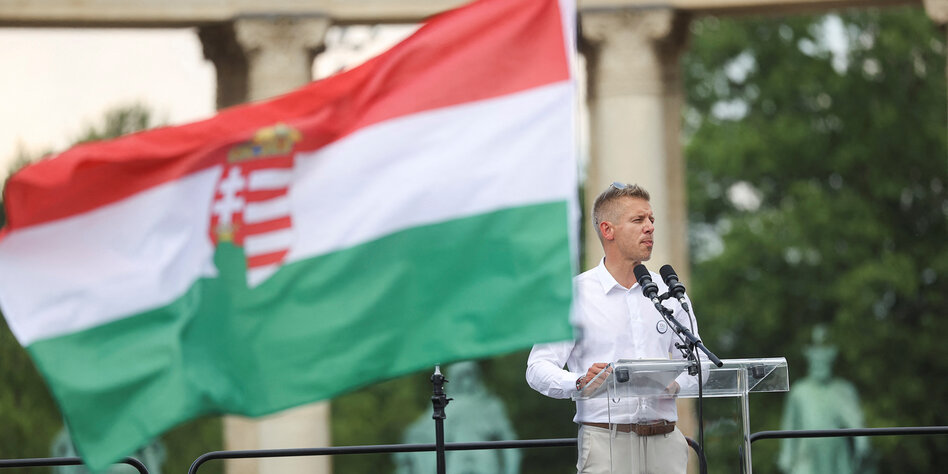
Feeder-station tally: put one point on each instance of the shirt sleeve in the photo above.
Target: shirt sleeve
(545, 372)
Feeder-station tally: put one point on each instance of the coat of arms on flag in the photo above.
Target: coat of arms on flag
(251, 202)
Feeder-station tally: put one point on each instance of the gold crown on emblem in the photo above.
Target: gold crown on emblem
(270, 141)
(225, 233)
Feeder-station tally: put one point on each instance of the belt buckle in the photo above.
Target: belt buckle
(650, 429)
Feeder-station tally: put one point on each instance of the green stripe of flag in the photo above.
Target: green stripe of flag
(319, 327)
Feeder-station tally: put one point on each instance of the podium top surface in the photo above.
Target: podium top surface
(650, 377)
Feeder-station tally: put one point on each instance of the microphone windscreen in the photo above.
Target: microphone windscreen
(641, 273)
(667, 271)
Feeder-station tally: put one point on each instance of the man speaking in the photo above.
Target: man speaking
(614, 320)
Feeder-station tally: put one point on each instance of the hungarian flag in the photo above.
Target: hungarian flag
(410, 211)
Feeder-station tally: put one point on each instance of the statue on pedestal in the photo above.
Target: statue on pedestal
(820, 401)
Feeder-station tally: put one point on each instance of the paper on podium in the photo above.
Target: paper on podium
(647, 376)
(633, 378)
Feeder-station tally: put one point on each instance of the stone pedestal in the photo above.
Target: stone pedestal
(258, 58)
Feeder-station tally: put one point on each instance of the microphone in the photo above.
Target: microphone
(675, 288)
(649, 288)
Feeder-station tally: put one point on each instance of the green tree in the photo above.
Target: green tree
(119, 121)
(29, 418)
(817, 195)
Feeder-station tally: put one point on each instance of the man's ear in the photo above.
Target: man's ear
(606, 230)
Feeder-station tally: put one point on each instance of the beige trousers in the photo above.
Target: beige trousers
(629, 453)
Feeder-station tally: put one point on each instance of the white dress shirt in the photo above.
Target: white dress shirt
(612, 323)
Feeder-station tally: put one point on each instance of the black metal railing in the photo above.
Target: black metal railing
(518, 444)
(70, 461)
(838, 433)
(378, 449)
(392, 448)
(843, 433)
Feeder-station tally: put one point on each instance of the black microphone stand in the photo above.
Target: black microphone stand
(682, 331)
(689, 353)
(439, 400)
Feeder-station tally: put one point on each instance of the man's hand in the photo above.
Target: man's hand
(593, 371)
(672, 389)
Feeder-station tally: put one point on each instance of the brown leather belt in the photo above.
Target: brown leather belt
(641, 429)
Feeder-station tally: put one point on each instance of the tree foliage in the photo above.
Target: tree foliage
(119, 121)
(817, 195)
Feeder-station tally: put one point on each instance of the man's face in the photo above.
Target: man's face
(632, 229)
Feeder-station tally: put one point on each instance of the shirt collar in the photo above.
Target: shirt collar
(606, 279)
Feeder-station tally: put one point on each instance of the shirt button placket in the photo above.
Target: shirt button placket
(635, 318)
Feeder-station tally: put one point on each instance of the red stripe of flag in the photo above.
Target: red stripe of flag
(264, 194)
(267, 226)
(276, 162)
(483, 50)
(272, 258)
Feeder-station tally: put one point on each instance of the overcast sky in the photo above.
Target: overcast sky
(56, 81)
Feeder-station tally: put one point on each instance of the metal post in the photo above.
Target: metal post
(439, 400)
(745, 416)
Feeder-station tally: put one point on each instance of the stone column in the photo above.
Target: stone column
(260, 57)
(257, 58)
(938, 11)
(221, 48)
(635, 101)
(305, 426)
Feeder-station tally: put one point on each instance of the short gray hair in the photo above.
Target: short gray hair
(605, 202)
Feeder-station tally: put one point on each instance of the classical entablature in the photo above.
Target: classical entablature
(177, 13)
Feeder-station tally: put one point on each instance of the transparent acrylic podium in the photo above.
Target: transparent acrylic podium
(633, 384)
